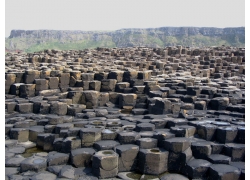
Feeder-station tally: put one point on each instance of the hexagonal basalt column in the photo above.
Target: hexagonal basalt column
(235, 151)
(81, 157)
(105, 164)
(153, 161)
(55, 158)
(110, 133)
(147, 143)
(105, 145)
(70, 143)
(33, 164)
(118, 75)
(127, 137)
(183, 131)
(219, 103)
(95, 85)
(21, 134)
(177, 145)
(201, 150)
(226, 134)
(223, 171)
(206, 131)
(145, 127)
(127, 157)
(127, 100)
(90, 98)
(45, 141)
(196, 168)
(89, 136)
(108, 85)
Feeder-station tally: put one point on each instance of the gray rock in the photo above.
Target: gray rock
(33, 164)
(67, 172)
(196, 168)
(127, 157)
(147, 143)
(43, 175)
(82, 157)
(153, 161)
(55, 158)
(173, 177)
(105, 164)
(14, 162)
(223, 171)
(105, 145)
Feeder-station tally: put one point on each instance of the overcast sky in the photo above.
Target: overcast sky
(117, 14)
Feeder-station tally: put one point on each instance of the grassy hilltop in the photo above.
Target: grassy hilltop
(36, 40)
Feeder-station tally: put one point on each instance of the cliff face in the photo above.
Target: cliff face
(35, 40)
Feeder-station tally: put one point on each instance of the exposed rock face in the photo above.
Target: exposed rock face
(108, 112)
(151, 37)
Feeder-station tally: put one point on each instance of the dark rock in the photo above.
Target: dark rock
(81, 157)
(223, 171)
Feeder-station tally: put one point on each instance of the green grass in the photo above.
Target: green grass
(78, 42)
(67, 46)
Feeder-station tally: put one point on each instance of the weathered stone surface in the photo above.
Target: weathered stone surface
(153, 161)
(45, 141)
(147, 143)
(219, 159)
(67, 172)
(226, 134)
(43, 175)
(105, 164)
(235, 151)
(14, 161)
(222, 171)
(90, 135)
(127, 100)
(182, 103)
(33, 164)
(105, 145)
(127, 157)
(126, 137)
(58, 108)
(90, 98)
(108, 85)
(196, 168)
(177, 144)
(70, 143)
(177, 161)
(207, 131)
(55, 158)
(24, 108)
(201, 150)
(173, 177)
(82, 157)
(219, 103)
(19, 134)
(34, 131)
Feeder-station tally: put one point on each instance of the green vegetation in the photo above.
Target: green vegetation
(55, 44)
(201, 41)
(66, 40)
(74, 45)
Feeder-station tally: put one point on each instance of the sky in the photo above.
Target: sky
(118, 14)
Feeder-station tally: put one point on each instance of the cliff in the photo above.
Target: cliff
(36, 40)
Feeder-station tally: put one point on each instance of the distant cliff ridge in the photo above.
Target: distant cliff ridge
(36, 40)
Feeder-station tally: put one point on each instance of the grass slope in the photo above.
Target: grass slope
(34, 44)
